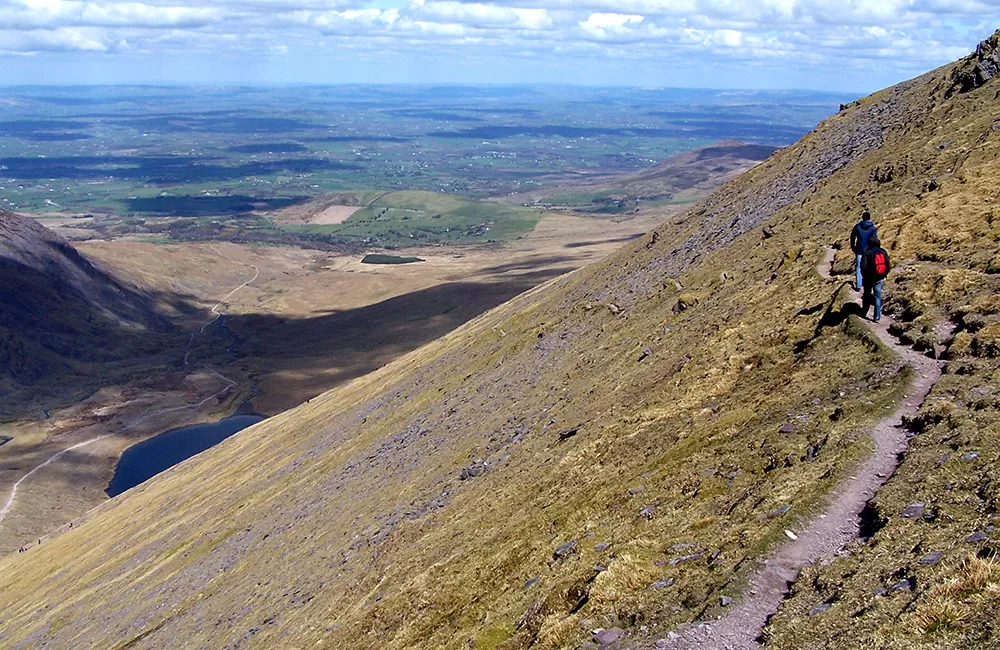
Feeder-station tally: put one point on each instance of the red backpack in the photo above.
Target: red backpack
(880, 262)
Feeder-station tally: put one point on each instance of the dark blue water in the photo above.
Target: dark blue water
(145, 460)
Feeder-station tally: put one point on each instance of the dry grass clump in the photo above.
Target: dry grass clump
(952, 606)
(557, 631)
(628, 574)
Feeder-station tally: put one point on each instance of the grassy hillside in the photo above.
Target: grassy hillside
(929, 577)
(614, 448)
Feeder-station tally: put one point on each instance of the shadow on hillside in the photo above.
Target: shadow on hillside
(531, 263)
(69, 324)
(59, 341)
(598, 242)
(313, 355)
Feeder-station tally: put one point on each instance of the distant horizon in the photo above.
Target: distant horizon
(429, 84)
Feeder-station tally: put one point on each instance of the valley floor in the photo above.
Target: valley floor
(274, 326)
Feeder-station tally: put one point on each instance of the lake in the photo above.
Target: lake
(145, 460)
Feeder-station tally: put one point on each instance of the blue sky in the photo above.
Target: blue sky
(850, 45)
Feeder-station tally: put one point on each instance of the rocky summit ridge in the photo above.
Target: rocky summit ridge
(608, 456)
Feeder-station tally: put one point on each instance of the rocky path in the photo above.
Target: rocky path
(821, 538)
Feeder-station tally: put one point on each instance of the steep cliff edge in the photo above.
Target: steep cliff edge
(613, 449)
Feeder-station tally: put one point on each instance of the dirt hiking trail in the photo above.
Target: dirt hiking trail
(823, 537)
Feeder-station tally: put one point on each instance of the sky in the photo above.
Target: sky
(843, 45)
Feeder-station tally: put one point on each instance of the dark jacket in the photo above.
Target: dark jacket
(863, 231)
(868, 264)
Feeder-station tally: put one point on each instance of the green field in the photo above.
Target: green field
(400, 219)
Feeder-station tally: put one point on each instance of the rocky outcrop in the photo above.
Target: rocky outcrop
(984, 65)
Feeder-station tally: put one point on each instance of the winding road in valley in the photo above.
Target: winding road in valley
(837, 525)
(217, 314)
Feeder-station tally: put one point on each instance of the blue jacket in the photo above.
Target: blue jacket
(863, 231)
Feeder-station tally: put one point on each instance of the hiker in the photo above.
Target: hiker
(874, 267)
(863, 231)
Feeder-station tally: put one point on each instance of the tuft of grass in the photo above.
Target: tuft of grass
(950, 607)
(941, 617)
(557, 631)
(628, 574)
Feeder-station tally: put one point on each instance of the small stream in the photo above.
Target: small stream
(146, 459)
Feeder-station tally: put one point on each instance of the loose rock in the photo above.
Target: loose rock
(565, 550)
(604, 637)
(932, 558)
(780, 512)
(902, 585)
(686, 558)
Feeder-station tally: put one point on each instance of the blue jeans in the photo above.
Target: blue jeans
(857, 272)
(873, 293)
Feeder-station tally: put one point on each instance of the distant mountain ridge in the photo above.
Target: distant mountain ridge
(684, 178)
(716, 164)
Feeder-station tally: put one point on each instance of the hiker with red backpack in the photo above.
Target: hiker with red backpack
(874, 267)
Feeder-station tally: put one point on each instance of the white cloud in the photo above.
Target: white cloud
(480, 15)
(52, 14)
(604, 25)
(53, 40)
(902, 34)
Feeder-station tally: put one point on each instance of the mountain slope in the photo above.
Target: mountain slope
(681, 402)
(63, 319)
